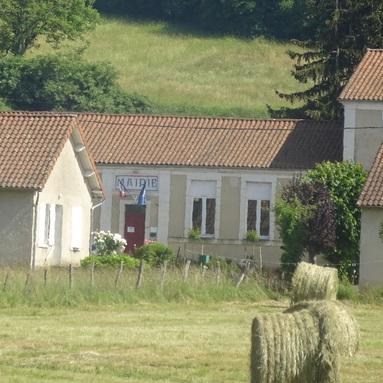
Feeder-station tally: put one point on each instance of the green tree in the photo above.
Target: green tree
(65, 83)
(306, 219)
(23, 22)
(336, 35)
(344, 181)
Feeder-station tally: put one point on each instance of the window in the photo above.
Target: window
(204, 215)
(204, 206)
(258, 208)
(76, 238)
(47, 221)
(258, 217)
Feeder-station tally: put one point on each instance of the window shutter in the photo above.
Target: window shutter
(52, 224)
(76, 227)
(42, 224)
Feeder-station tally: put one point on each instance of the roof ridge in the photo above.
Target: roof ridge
(38, 113)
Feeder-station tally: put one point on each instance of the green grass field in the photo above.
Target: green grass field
(184, 72)
(96, 330)
(144, 343)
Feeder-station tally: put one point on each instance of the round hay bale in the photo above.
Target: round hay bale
(339, 329)
(312, 282)
(284, 348)
(302, 344)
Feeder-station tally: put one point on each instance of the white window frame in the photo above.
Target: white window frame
(47, 224)
(204, 190)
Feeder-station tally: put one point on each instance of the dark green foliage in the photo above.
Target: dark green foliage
(65, 83)
(154, 254)
(303, 215)
(22, 22)
(335, 37)
(306, 218)
(246, 18)
(111, 261)
(344, 181)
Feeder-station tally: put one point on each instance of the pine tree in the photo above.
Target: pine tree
(337, 34)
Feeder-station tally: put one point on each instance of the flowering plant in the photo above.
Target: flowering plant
(108, 243)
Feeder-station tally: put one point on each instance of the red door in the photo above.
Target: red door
(134, 227)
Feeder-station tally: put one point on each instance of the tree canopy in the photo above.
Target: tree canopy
(65, 83)
(22, 22)
(318, 213)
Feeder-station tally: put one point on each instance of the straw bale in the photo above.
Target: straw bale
(302, 344)
(312, 282)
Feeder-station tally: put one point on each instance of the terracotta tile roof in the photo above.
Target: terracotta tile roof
(372, 193)
(213, 142)
(30, 144)
(366, 83)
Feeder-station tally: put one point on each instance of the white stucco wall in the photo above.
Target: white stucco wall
(66, 188)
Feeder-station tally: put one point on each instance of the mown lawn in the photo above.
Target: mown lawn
(147, 342)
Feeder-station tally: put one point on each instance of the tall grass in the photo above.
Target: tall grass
(58, 287)
(185, 72)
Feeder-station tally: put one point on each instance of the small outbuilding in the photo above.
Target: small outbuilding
(49, 188)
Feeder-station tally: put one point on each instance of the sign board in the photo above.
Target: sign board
(137, 182)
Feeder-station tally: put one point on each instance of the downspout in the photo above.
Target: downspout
(91, 223)
(34, 239)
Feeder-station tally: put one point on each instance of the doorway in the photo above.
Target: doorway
(134, 227)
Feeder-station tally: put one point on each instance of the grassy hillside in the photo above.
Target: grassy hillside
(184, 72)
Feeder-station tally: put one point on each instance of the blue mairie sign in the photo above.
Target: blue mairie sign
(137, 182)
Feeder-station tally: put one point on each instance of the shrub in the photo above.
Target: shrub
(111, 261)
(154, 253)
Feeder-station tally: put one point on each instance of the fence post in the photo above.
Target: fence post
(186, 270)
(45, 276)
(203, 270)
(92, 274)
(218, 273)
(71, 276)
(119, 274)
(245, 270)
(140, 272)
(27, 281)
(6, 281)
(163, 274)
